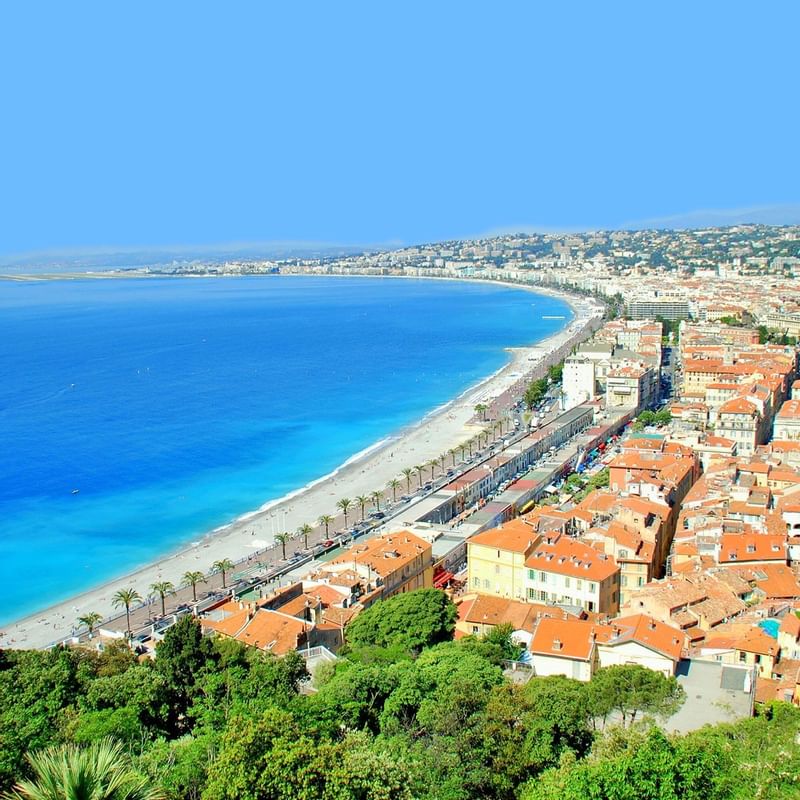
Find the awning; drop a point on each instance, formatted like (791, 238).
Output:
(527, 507)
(442, 579)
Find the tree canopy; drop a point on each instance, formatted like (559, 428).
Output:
(397, 717)
(409, 621)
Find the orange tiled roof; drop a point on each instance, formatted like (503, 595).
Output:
(574, 639)
(565, 556)
(516, 536)
(649, 632)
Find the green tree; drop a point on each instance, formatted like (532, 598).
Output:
(376, 498)
(90, 620)
(411, 620)
(305, 531)
(192, 578)
(223, 566)
(501, 636)
(35, 689)
(629, 689)
(344, 506)
(555, 372)
(407, 473)
(162, 588)
(326, 520)
(100, 771)
(393, 485)
(182, 657)
(283, 539)
(126, 598)
(362, 501)
(481, 410)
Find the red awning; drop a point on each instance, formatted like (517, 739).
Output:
(442, 579)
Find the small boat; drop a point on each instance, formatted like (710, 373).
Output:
(76, 491)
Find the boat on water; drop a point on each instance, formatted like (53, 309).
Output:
(76, 491)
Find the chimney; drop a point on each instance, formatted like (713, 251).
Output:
(557, 644)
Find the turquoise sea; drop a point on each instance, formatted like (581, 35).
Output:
(175, 405)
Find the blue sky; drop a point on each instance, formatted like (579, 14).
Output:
(175, 123)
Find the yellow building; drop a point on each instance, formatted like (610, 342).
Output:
(496, 559)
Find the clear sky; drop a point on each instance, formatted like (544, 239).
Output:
(198, 122)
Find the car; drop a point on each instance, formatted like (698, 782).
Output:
(377, 515)
(328, 543)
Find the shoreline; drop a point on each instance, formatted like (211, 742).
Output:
(251, 532)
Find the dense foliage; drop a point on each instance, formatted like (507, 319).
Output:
(407, 713)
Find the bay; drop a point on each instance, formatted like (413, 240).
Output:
(175, 405)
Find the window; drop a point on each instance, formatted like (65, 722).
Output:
(566, 583)
(496, 569)
(579, 583)
(476, 582)
(742, 658)
(592, 587)
(475, 629)
(486, 583)
(640, 581)
(623, 580)
(531, 575)
(543, 596)
(623, 554)
(531, 594)
(543, 577)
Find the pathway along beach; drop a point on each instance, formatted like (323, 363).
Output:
(441, 430)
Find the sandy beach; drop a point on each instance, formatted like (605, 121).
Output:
(441, 430)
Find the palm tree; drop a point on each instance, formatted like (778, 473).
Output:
(432, 464)
(101, 771)
(470, 443)
(408, 472)
(481, 409)
(452, 453)
(362, 500)
(419, 469)
(163, 588)
(325, 520)
(394, 485)
(376, 497)
(90, 620)
(463, 449)
(282, 539)
(442, 460)
(344, 506)
(192, 579)
(305, 530)
(126, 597)
(224, 565)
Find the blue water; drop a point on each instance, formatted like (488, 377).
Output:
(770, 626)
(177, 405)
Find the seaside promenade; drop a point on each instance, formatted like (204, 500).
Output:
(249, 542)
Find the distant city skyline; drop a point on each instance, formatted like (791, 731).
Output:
(387, 127)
